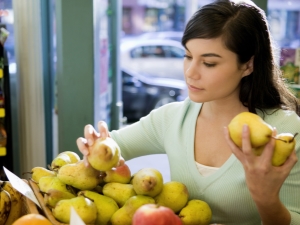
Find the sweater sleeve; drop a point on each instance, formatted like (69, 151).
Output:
(146, 136)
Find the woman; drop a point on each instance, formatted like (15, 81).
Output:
(229, 68)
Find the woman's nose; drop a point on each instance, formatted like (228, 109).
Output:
(192, 71)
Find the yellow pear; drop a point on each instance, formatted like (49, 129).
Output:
(59, 161)
(48, 182)
(38, 172)
(79, 176)
(147, 181)
(106, 206)
(85, 208)
(284, 145)
(74, 157)
(53, 196)
(119, 192)
(196, 212)
(174, 195)
(123, 216)
(260, 131)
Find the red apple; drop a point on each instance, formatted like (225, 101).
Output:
(120, 174)
(150, 214)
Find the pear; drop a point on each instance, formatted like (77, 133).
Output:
(106, 206)
(284, 145)
(124, 215)
(53, 196)
(49, 182)
(120, 174)
(174, 195)
(38, 172)
(119, 192)
(147, 181)
(260, 131)
(59, 161)
(104, 154)
(85, 208)
(74, 157)
(79, 176)
(196, 212)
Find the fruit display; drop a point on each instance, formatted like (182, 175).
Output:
(112, 195)
(32, 219)
(260, 134)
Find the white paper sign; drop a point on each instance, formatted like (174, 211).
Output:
(21, 186)
(75, 218)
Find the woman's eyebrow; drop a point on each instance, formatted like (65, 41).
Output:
(211, 55)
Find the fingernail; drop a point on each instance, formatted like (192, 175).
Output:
(245, 127)
(90, 142)
(91, 131)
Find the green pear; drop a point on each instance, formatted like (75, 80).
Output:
(124, 215)
(106, 206)
(74, 157)
(49, 182)
(174, 195)
(196, 212)
(120, 174)
(59, 161)
(119, 192)
(85, 208)
(121, 217)
(53, 196)
(104, 154)
(38, 172)
(260, 131)
(284, 145)
(79, 176)
(147, 181)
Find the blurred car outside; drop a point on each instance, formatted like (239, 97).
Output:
(170, 35)
(142, 93)
(155, 57)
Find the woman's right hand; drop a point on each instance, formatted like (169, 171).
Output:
(90, 135)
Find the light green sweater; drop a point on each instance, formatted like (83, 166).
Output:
(170, 129)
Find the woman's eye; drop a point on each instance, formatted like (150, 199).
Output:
(188, 57)
(209, 64)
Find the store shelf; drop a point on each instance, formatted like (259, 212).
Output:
(2, 151)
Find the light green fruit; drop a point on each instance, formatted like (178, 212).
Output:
(260, 131)
(79, 176)
(85, 208)
(284, 145)
(121, 217)
(104, 154)
(74, 157)
(59, 161)
(174, 195)
(38, 172)
(119, 192)
(54, 196)
(106, 206)
(147, 181)
(49, 182)
(196, 212)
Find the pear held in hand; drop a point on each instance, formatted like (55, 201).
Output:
(260, 131)
(104, 154)
(284, 145)
(196, 212)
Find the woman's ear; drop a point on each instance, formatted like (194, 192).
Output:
(248, 67)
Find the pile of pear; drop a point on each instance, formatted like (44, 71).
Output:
(260, 134)
(104, 193)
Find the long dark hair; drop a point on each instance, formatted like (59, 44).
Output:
(244, 30)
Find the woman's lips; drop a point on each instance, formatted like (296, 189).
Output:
(193, 88)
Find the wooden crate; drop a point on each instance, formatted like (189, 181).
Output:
(46, 210)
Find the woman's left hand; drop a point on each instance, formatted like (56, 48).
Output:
(263, 179)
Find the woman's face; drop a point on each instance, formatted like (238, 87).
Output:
(211, 70)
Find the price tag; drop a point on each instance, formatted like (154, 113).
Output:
(21, 186)
(75, 218)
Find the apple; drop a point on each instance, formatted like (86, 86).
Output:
(120, 174)
(150, 214)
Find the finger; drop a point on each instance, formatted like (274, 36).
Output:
(269, 148)
(90, 134)
(246, 143)
(86, 162)
(82, 146)
(235, 150)
(291, 161)
(121, 161)
(103, 129)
